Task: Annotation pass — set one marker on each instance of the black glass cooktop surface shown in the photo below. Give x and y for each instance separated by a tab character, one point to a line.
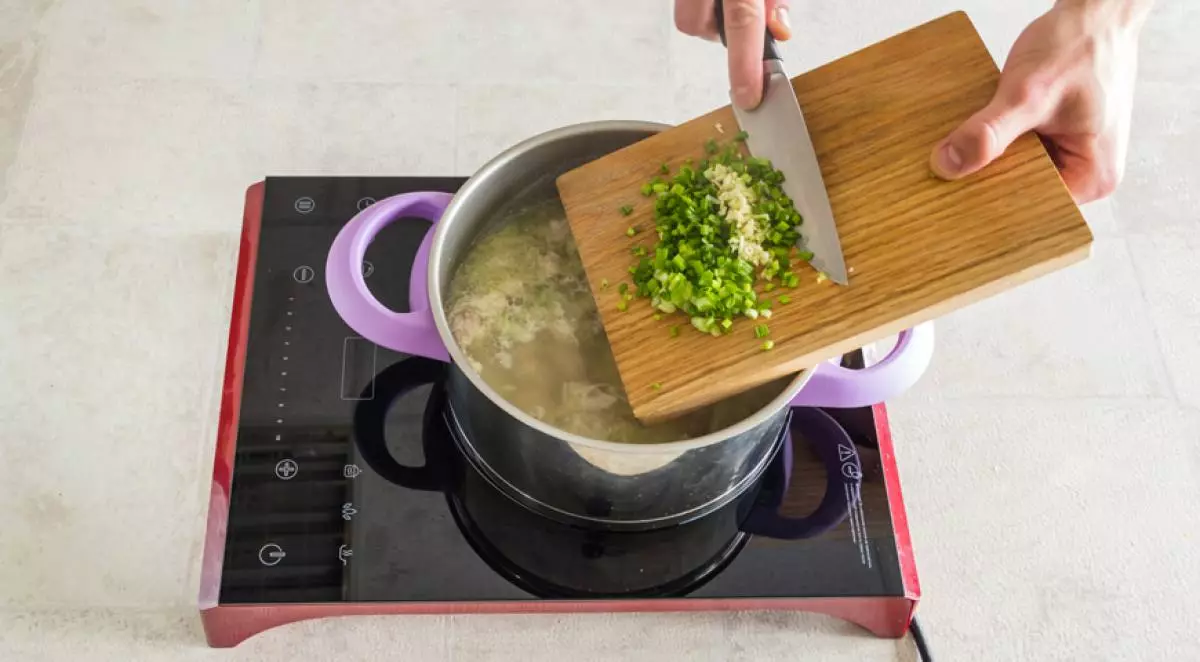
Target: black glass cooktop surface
312	521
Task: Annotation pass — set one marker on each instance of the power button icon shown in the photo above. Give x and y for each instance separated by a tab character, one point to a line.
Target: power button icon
270	554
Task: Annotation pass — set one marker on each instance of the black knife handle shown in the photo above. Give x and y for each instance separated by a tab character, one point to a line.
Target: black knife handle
769	50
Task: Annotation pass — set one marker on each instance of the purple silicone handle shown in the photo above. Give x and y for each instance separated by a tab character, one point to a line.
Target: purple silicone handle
834	386
842	468
413	332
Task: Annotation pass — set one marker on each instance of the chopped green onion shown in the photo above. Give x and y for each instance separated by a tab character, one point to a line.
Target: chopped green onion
741	136
664	169
622	305
761	331
626	210
656	385
604	283
675	332
785	299
622	288
657	317
694	268
768	344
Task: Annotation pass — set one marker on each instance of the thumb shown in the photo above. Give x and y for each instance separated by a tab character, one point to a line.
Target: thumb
984	136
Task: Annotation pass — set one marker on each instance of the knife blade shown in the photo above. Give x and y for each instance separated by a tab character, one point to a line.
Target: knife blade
777	132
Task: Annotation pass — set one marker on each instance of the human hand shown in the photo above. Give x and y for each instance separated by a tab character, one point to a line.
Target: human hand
746	22
1069	77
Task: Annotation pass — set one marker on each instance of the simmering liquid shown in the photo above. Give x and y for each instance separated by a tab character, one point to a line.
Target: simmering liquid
520	308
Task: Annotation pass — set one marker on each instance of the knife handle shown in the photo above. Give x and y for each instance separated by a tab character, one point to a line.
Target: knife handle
769	50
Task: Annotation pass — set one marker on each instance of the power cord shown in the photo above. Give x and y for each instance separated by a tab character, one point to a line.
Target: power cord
914	628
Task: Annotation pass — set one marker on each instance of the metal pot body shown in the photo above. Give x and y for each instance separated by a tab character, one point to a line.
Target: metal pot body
568	478
590	482
606	485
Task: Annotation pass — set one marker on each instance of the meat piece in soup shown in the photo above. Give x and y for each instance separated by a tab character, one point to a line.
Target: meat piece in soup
520	308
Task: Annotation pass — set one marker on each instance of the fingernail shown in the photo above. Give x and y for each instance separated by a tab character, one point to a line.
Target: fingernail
949	160
784	22
744	97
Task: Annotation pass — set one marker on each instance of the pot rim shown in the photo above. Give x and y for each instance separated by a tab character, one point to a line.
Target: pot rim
458	358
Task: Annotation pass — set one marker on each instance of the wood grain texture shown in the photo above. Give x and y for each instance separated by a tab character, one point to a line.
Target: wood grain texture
919	247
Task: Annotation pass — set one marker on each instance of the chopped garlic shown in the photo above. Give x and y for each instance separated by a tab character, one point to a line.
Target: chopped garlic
736	204
720	129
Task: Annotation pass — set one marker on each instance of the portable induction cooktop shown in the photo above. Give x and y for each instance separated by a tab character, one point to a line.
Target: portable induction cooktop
338	488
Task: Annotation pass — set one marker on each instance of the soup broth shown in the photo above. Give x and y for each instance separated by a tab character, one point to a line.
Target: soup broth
520	308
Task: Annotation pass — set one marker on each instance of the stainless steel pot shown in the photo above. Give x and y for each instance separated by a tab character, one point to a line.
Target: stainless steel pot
572	478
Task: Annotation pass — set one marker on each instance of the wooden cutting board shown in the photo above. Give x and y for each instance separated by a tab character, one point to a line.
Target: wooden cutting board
918	247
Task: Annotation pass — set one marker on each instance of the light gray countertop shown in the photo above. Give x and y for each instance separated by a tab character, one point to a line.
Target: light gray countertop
1050	459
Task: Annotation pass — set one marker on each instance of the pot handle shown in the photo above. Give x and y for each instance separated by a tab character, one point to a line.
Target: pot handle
831	385
413	332
842	467
370	416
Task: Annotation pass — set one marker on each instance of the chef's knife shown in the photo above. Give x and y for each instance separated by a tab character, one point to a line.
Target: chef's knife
777	132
